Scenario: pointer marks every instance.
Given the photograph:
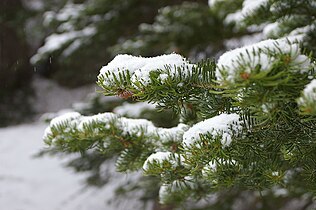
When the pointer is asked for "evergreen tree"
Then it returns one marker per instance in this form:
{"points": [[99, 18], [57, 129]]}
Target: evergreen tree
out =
{"points": [[247, 120]]}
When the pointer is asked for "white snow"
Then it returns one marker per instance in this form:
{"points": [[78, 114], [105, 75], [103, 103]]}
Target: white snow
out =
{"points": [[29, 183], [172, 134], [48, 17], [271, 29], [163, 77], [56, 41], [72, 48], [232, 63], [209, 168], [250, 6], [310, 89], [223, 124], [140, 67], [70, 116], [234, 17], [158, 157], [70, 11], [66, 118], [173, 158], [164, 191], [136, 126], [99, 118], [211, 3], [309, 93], [303, 30], [133, 110]]}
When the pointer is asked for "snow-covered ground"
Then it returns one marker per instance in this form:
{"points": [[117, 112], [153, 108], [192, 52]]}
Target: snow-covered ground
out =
{"points": [[50, 97], [43, 183], [29, 183]]}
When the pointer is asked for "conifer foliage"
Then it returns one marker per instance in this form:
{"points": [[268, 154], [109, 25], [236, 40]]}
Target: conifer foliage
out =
{"points": [[247, 120]]}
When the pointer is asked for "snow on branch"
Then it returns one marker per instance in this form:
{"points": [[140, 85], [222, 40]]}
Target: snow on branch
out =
{"points": [[224, 125], [249, 6], [239, 64], [308, 99], [140, 68], [84, 126]]}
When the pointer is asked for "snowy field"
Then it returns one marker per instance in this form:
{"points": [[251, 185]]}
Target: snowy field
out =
{"points": [[31, 183]]}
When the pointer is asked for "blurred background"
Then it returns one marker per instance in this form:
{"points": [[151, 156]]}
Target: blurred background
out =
{"points": [[51, 52], [67, 42]]}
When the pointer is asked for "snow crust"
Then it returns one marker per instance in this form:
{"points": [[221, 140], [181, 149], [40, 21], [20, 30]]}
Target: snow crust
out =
{"points": [[263, 54], [309, 93], [140, 67], [271, 29], [75, 121], [173, 158], [136, 126], [303, 30], [158, 157], [223, 124], [64, 118], [310, 89], [133, 110], [174, 134], [61, 120], [99, 118], [234, 17], [250, 6]]}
